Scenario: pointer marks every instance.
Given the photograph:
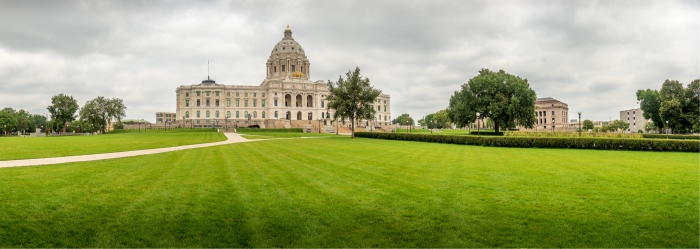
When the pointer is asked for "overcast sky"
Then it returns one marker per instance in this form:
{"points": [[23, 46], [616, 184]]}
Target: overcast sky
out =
{"points": [[592, 55]]}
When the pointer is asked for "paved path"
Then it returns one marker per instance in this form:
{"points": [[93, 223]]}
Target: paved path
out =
{"points": [[232, 138]]}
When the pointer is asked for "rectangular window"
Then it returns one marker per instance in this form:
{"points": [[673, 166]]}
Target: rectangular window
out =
{"points": [[385, 108], [217, 102], [236, 94], [198, 94], [198, 102], [245, 104], [321, 104], [275, 102], [228, 94], [255, 95], [237, 103], [207, 93], [263, 95], [208, 102], [263, 103], [187, 94], [552, 112], [187, 103], [228, 103], [293, 68], [246, 94], [217, 93], [283, 68]]}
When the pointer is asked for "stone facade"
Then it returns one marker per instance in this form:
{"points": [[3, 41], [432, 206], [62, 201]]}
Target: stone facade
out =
{"points": [[285, 98], [551, 114]]}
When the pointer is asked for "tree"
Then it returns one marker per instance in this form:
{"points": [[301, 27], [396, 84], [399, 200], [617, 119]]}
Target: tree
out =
{"points": [[98, 111], [587, 125], [8, 122], [691, 108], [650, 103], [441, 119], [403, 119], [62, 109], [506, 99], [25, 122], [618, 125], [649, 126], [39, 121], [352, 98]]}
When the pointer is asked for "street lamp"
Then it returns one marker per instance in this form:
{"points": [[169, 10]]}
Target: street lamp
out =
{"points": [[478, 127], [579, 123], [666, 129], [249, 117], [552, 125]]}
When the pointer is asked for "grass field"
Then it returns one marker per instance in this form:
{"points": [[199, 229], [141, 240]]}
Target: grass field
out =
{"points": [[12, 148], [342, 192]]}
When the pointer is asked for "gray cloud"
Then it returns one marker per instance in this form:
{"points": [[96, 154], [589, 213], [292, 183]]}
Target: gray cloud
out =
{"points": [[593, 55]]}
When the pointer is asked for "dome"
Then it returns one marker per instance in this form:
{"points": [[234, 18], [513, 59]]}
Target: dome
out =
{"points": [[288, 59]]}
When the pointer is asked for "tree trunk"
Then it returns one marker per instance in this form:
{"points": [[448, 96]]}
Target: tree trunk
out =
{"points": [[495, 126], [352, 126]]}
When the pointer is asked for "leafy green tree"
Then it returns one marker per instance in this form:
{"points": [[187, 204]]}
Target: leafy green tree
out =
{"points": [[403, 119], [649, 126], [506, 99], [98, 111], [8, 121], [62, 109], [39, 121], [587, 125], [352, 98], [25, 122], [618, 125], [442, 119], [650, 103], [691, 108]]}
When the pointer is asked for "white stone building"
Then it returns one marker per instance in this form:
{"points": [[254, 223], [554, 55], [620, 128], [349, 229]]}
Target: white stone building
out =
{"points": [[285, 98]]}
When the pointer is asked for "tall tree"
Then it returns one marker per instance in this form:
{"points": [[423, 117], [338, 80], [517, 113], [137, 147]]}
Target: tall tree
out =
{"points": [[62, 109], [39, 121], [403, 119], [691, 108], [672, 100], [8, 121], [650, 103], [25, 122], [506, 99], [352, 98], [98, 111], [441, 120], [587, 125]]}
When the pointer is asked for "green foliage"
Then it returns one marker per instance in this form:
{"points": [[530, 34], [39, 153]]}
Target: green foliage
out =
{"points": [[571, 134], [618, 125], [673, 105], [671, 136], [352, 98], [649, 126], [650, 103], [62, 109], [98, 111], [505, 99], [8, 121], [254, 130], [587, 125], [486, 133], [404, 119], [547, 142]]}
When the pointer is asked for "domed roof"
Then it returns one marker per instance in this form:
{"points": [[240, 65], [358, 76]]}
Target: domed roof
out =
{"points": [[288, 47]]}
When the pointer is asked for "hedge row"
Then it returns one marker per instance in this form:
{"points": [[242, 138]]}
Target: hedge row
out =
{"points": [[486, 133], [657, 136], [300, 130], [546, 142]]}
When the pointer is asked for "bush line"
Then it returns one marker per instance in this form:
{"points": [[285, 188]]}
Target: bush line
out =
{"points": [[638, 144], [299, 130], [663, 136]]}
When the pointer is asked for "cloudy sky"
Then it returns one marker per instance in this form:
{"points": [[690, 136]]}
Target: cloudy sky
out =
{"points": [[593, 55]]}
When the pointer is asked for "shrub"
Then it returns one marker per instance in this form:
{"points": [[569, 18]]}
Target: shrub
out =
{"points": [[658, 136], [300, 130], [546, 142], [486, 133]]}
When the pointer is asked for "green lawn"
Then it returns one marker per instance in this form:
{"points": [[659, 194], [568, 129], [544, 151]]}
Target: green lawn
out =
{"points": [[269, 135], [342, 192], [12, 148]]}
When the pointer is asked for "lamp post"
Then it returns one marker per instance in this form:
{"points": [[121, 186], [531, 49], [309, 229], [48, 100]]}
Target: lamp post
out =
{"points": [[552, 125], [478, 127], [212, 123], [226, 123], [249, 117], [666, 129], [579, 123], [319, 125]]}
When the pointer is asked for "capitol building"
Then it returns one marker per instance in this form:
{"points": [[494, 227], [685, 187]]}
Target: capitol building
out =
{"points": [[286, 98]]}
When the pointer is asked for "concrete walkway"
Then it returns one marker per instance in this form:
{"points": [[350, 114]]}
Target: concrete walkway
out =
{"points": [[232, 138]]}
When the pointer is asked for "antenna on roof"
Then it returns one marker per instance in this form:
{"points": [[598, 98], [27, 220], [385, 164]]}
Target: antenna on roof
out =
{"points": [[208, 70]]}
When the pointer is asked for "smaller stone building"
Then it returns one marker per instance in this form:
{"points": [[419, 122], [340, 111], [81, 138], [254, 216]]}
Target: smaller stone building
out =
{"points": [[634, 117], [551, 114]]}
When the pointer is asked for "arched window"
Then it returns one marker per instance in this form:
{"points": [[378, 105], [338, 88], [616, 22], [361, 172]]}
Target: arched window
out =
{"points": [[207, 114], [245, 114], [217, 114], [237, 114], [255, 114], [228, 114], [187, 114], [263, 114], [197, 113]]}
